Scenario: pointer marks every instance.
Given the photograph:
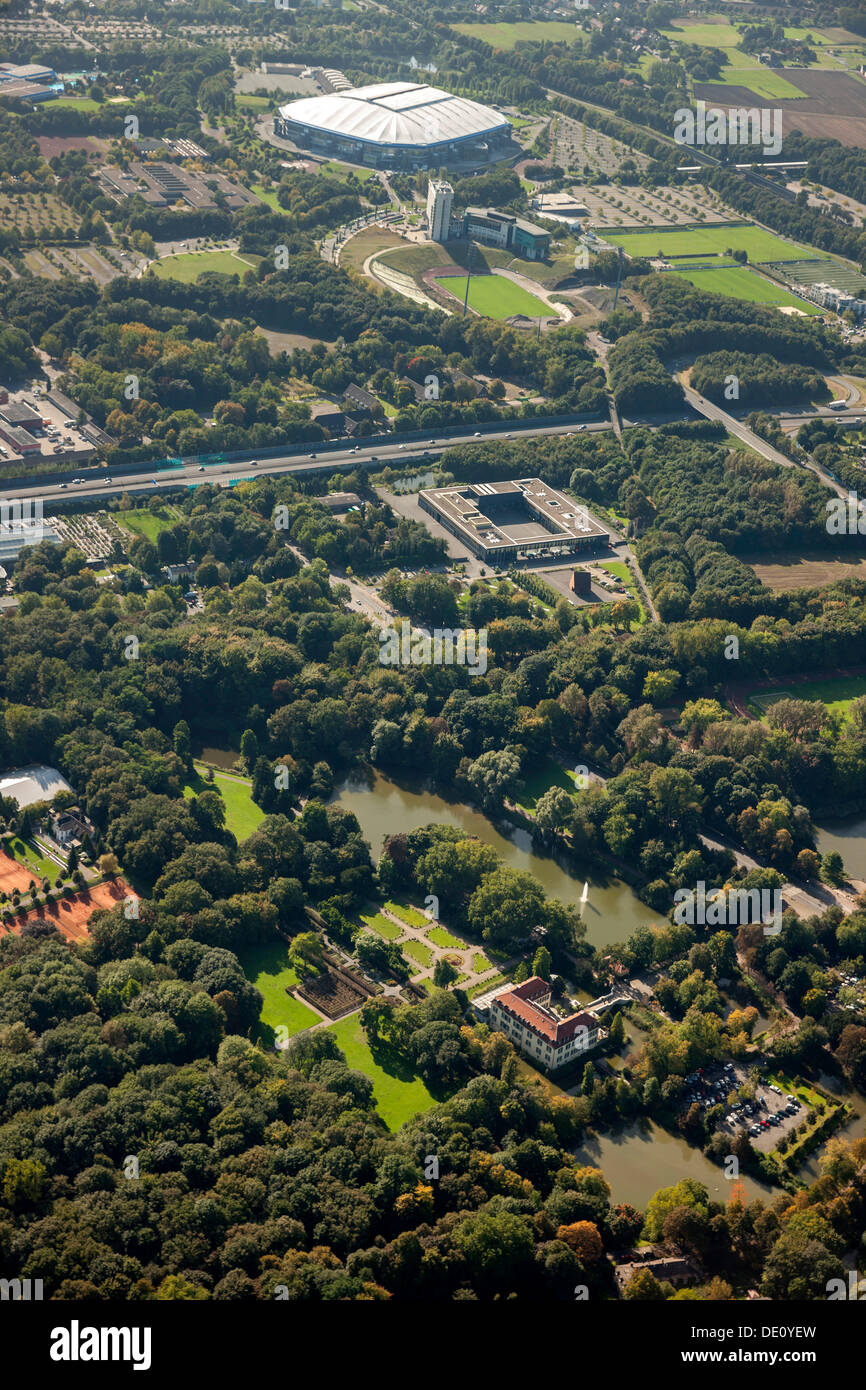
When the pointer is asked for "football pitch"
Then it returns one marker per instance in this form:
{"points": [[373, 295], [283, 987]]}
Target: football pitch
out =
{"points": [[739, 283], [189, 265], [496, 297], [711, 241], [837, 694]]}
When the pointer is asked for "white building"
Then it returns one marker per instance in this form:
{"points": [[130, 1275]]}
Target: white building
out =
{"points": [[440, 196], [523, 1013]]}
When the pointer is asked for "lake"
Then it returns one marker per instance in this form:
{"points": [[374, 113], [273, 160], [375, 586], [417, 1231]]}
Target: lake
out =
{"points": [[383, 808], [642, 1157], [849, 838]]}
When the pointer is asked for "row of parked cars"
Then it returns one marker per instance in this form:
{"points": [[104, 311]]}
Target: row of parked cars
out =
{"points": [[775, 1117], [707, 1090]]}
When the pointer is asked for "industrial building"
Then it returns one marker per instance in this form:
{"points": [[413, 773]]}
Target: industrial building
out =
{"points": [[505, 522], [440, 197], [396, 125], [504, 230]]}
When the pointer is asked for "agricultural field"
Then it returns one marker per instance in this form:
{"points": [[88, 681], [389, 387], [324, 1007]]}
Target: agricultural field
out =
{"points": [[694, 241], [495, 297], [740, 283], [267, 967], [506, 36], [242, 814], [837, 693], [802, 571], [743, 69], [187, 266], [399, 1094]]}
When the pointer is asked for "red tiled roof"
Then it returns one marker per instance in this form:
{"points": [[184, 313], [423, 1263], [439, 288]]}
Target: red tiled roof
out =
{"points": [[519, 1003]]}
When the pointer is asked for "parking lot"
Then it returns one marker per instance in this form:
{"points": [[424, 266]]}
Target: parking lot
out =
{"points": [[764, 1120]]}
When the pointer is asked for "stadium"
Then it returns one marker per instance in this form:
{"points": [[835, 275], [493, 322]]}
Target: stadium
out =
{"points": [[396, 125]]}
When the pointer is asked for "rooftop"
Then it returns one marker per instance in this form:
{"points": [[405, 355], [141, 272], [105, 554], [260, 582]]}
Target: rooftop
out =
{"points": [[396, 113]]}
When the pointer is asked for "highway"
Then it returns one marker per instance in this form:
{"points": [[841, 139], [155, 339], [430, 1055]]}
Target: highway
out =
{"points": [[316, 461]]}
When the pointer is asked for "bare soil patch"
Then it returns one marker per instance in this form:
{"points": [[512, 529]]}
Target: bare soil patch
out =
{"points": [[806, 572]]}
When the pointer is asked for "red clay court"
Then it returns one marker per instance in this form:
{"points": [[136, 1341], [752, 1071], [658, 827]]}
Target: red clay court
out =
{"points": [[71, 915], [15, 875]]}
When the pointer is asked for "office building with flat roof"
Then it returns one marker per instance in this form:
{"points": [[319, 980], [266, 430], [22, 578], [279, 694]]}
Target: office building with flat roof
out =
{"points": [[505, 522]]}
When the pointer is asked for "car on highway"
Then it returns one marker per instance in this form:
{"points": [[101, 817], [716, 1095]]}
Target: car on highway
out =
{"points": [[76, 480], [62, 486], [312, 456], [253, 463], [153, 482], [201, 468], [477, 434]]}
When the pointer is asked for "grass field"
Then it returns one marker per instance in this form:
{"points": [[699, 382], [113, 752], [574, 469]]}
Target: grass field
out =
{"points": [[267, 195], [189, 265], [837, 694], [32, 860], [495, 297], [505, 36], [545, 774], [399, 1094], [381, 925], [267, 967], [242, 813], [73, 104], [417, 951], [148, 523], [407, 914], [694, 241], [440, 937], [740, 283]]}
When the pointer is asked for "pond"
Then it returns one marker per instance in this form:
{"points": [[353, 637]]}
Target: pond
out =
{"points": [[640, 1158], [612, 912], [849, 838], [220, 757]]}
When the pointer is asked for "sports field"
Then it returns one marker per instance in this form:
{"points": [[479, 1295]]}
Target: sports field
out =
{"points": [[739, 283], [836, 693], [496, 297], [189, 265], [505, 36], [71, 915], [712, 241]]}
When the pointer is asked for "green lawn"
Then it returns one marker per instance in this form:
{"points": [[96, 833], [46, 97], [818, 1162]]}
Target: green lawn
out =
{"points": [[418, 951], [745, 284], [837, 694], [267, 967], [693, 241], [399, 1094], [407, 914], [147, 523], [480, 963], [440, 937], [760, 80], [73, 103], [29, 857], [545, 774], [189, 265], [505, 36], [495, 297], [242, 813], [381, 925], [267, 195], [247, 102]]}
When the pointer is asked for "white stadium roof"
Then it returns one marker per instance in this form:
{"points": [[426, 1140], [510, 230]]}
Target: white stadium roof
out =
{"points": [[396, 113]]}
